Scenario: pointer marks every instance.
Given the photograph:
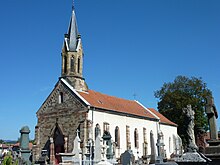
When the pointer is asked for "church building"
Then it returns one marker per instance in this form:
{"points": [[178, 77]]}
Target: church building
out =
{"points": [[72, 107]]}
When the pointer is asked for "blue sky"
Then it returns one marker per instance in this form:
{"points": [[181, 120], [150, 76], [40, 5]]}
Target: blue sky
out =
{"points": [[131, 47]]}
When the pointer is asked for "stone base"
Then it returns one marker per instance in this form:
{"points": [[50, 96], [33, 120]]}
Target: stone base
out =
{"points": [[167, 163], [193, 157], [104, 162], [67, 157], [214, 142], [193, 163], [212, 150]]}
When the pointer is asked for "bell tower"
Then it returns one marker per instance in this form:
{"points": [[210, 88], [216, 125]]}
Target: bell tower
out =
{"points": [[72, 56]]}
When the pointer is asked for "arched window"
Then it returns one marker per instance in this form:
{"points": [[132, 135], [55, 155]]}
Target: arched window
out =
{"points": [[170, 144], [106, 127], [65, 64], [78, 70], [61, 97], [72, 64], [128, 142], [136, 138], [145, 134], [117, 137], [97, 130]]}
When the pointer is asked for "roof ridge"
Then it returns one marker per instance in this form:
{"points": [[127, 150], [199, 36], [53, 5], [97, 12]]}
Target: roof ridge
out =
{"points": [[170, 122], [148, 110], [110, 95]]}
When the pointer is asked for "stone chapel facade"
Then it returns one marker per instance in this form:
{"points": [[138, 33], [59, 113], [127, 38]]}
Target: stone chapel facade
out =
{"points": [[72, 106]]}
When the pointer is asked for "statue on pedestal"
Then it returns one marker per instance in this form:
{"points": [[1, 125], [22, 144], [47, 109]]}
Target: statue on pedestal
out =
{"points": [[212, 115], [191, 145]]}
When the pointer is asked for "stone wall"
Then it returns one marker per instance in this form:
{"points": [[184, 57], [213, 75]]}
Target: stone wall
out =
{"points": [[67, 114]]}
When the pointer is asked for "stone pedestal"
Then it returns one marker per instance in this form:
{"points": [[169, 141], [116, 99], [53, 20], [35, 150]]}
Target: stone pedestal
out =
{"points": [[213, 151], [189, 158], [107, 139]]}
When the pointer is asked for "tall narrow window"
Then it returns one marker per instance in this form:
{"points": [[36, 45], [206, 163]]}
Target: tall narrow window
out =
{"points": [[170, 144], [72, 64], [106, 127], [136, 139], [61, 97], [97, 130], [78, 65], [117, 137], [65, 64], [128, 142], [78, 130]]}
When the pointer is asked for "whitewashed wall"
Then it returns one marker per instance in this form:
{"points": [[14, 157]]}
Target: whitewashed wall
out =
{"points": [[168, 132], [121, 121]]}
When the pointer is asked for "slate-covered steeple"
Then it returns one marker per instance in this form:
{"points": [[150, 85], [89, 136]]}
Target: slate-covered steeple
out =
{"points": [[72, 35], [72, 56]]}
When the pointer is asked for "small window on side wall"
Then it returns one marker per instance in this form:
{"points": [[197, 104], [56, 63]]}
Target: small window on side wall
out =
{"points": [[61, 97]]}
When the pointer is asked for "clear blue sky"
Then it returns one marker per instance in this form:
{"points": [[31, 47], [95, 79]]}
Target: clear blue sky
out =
{"points": [[130, 47]]}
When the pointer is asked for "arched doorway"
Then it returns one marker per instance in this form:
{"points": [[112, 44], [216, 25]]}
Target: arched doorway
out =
{"points": [[58, 144]]}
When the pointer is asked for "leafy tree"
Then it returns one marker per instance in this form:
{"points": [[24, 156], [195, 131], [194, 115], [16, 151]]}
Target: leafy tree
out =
{"points": [[174, 96], [1, 141]]}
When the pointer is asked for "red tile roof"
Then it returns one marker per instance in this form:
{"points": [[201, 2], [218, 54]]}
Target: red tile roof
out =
{"points": [[103, 101], [163, 119], [18, 145]]}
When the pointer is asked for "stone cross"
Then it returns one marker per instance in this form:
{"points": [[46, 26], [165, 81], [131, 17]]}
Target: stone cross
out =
{"points": [[160, 147], [212, 114]]}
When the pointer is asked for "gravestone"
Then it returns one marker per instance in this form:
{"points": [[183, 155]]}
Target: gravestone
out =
{"points": [[160, 148], [127, 158], [178, 145], [98, 149], [107, 140], [89, 154], [77, 159], [24, 145], [153, 149], [161, 151], [104, 160]]}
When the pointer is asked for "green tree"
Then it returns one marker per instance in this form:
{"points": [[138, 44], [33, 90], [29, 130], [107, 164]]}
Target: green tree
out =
{"points": [[174, 96], [1, 141]]}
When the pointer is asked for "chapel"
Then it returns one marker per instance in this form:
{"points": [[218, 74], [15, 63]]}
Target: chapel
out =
{"points": [[72, 107]]}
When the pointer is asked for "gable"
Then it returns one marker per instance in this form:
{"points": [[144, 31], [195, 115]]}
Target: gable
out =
{"points": [[61, 99]]}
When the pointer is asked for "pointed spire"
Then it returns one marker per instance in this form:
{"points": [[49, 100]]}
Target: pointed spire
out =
{"points": [[73, 31]]}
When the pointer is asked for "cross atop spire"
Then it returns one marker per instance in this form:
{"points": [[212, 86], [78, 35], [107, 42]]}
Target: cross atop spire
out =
{"points": [[73, 7]]}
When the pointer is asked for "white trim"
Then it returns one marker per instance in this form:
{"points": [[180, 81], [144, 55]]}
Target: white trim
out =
{"points": [[147, 110], [66, 43], [78, 45], [74, 91]]}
